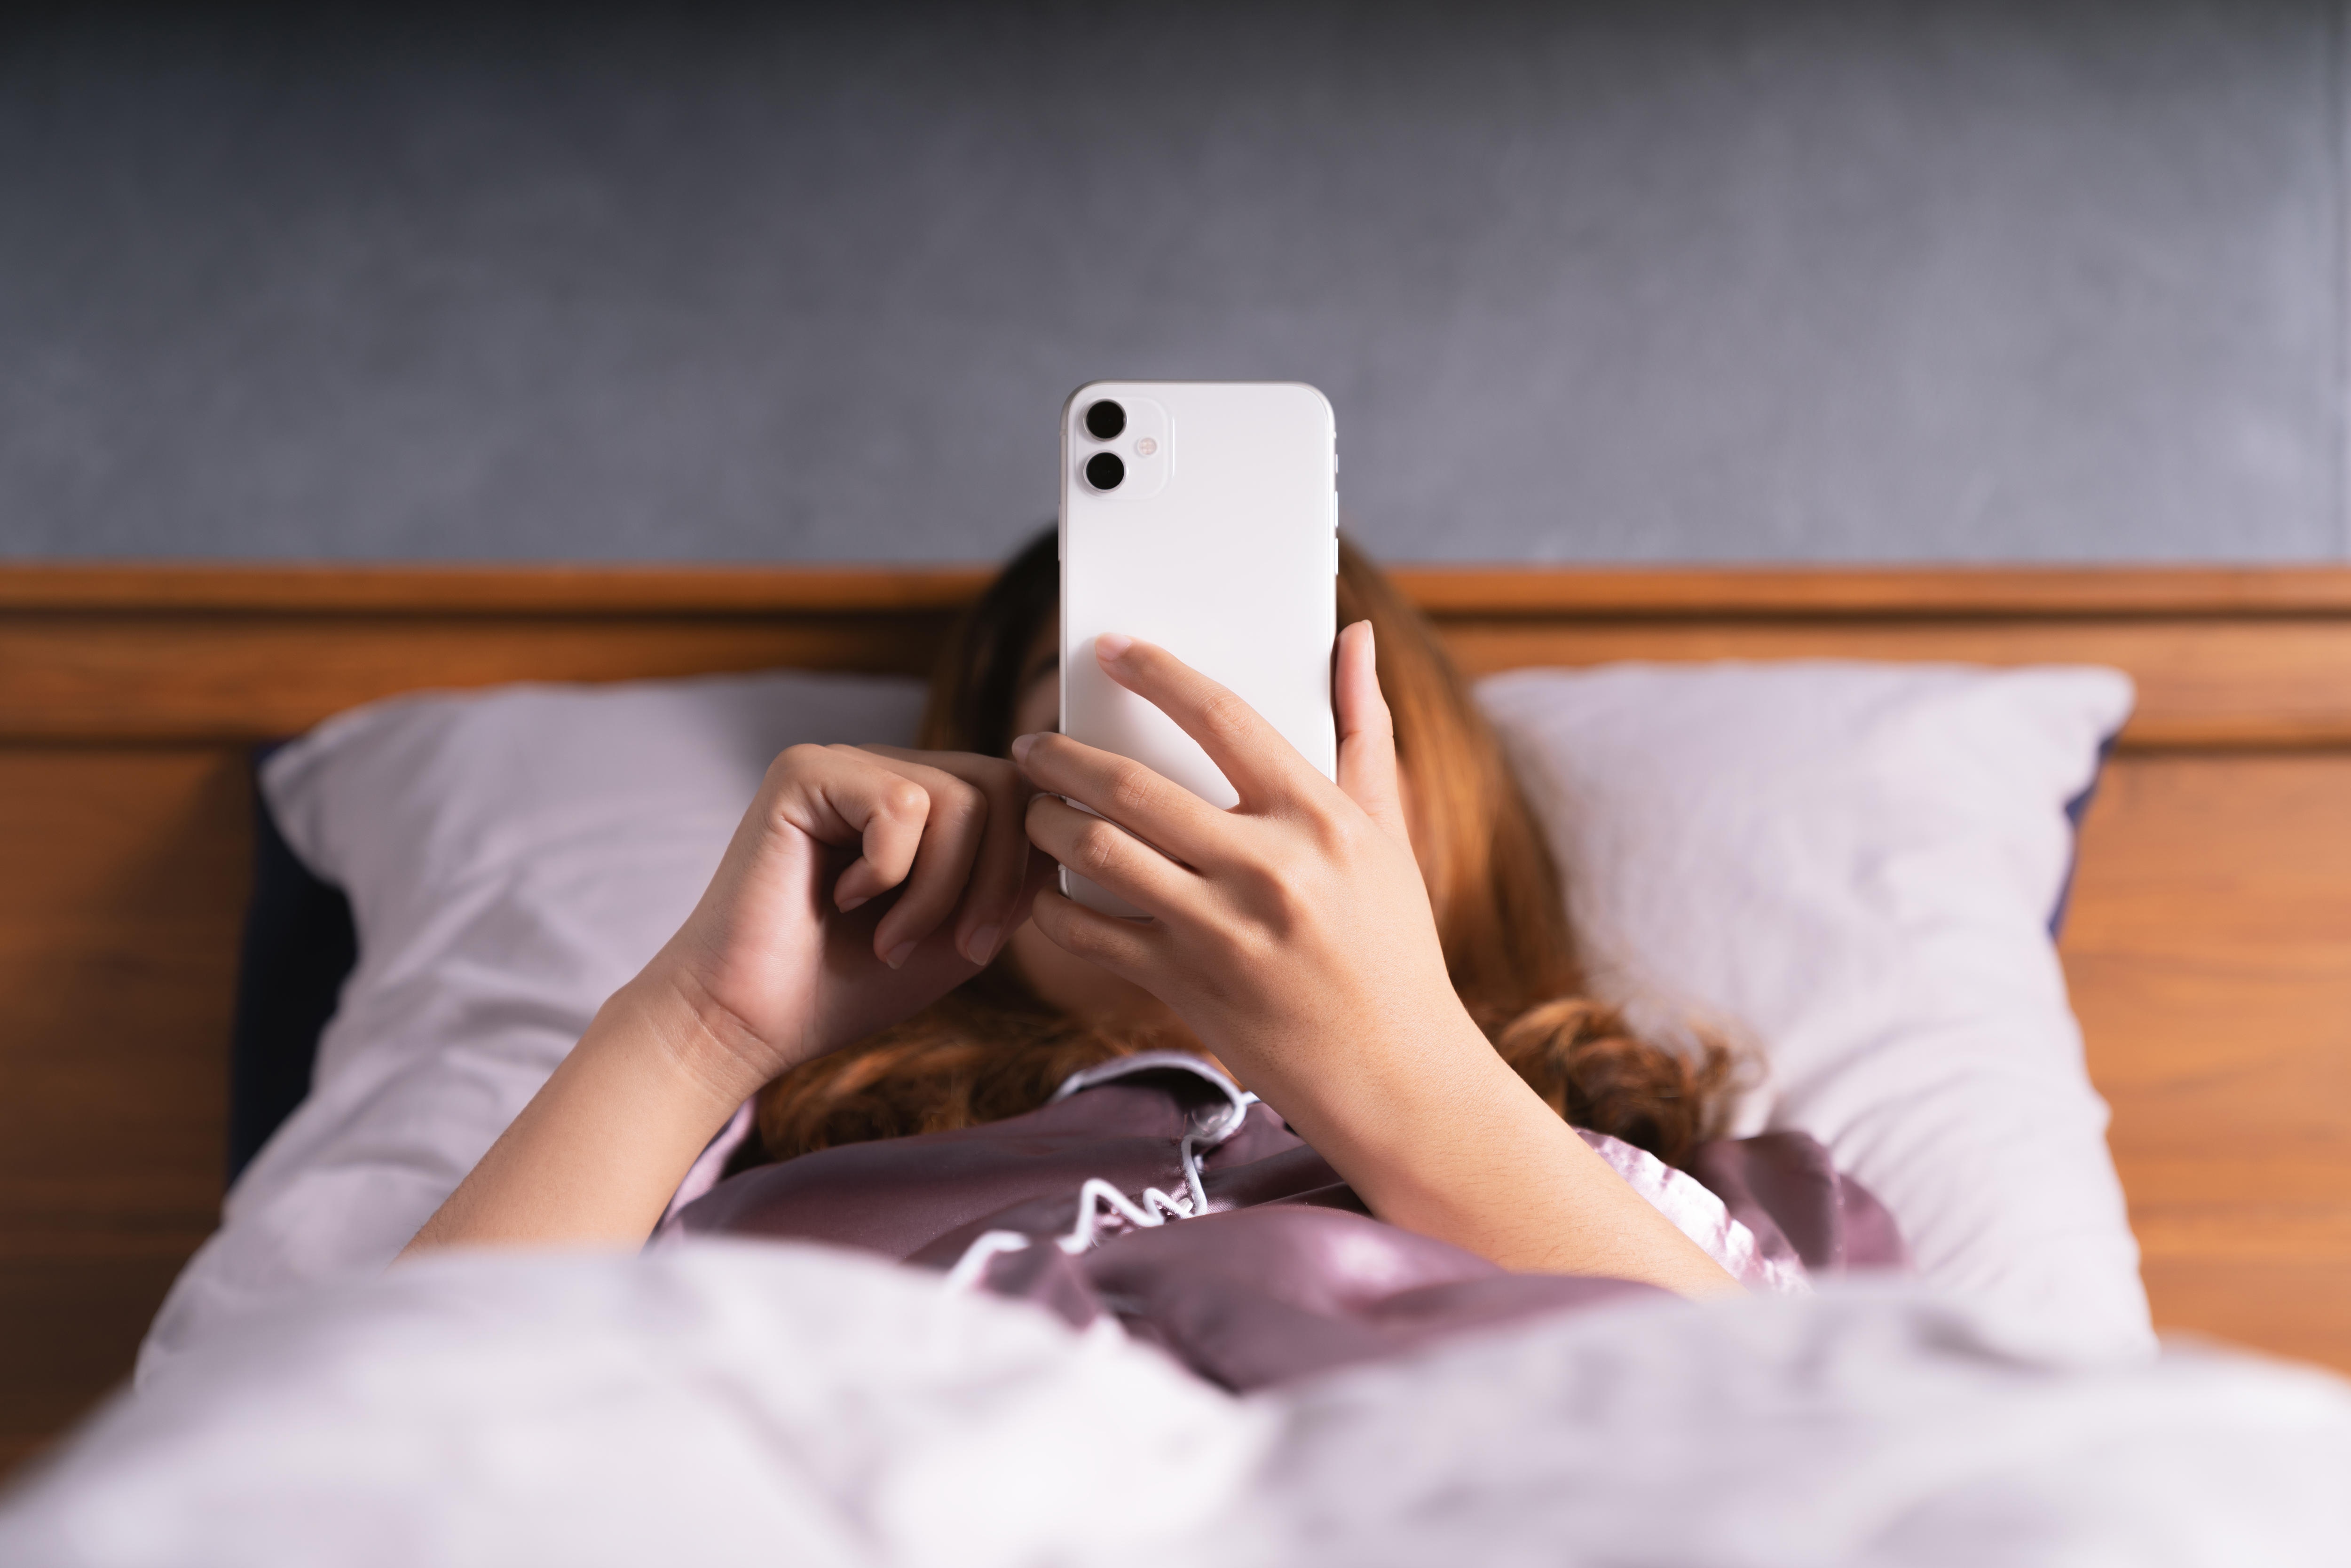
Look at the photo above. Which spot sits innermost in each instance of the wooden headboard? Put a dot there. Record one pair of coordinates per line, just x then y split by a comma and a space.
2208, 946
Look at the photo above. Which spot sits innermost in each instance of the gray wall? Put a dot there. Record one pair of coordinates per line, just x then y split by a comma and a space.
1683, 282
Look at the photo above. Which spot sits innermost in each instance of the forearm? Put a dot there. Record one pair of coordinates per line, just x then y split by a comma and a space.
1454, 1145
595, 1156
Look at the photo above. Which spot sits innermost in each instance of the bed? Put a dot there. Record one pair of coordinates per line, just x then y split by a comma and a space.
2207, 947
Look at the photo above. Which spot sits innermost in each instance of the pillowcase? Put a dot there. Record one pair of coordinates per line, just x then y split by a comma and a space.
1853, 868
1836, 857
512, 857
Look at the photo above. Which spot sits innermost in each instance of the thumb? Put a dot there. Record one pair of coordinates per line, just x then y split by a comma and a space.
1367, 758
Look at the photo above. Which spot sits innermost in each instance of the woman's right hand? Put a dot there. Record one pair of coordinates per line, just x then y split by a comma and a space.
864, 884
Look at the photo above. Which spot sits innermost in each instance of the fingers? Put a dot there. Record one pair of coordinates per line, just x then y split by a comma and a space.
1253, 755
839, 795
1109, 856
953, 825
1367, 756
1124, 947
944, 829
1126, 792
994, 894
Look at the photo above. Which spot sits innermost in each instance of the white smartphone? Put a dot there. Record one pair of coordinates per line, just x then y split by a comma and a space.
1204, 516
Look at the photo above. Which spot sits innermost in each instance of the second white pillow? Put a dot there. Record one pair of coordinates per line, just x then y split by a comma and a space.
1853, 867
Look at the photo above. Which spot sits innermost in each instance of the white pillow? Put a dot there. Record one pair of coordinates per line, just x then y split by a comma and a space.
1854, 867
515, 856
512, 857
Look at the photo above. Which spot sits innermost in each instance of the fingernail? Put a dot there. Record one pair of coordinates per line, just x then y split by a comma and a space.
896, 957
1111, 644
1021, 746
981, 946
846, 904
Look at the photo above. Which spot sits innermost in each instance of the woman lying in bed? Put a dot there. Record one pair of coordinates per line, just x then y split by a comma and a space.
1384, 961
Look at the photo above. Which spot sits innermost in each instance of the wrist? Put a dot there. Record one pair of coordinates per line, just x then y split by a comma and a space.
707, 1049
1402, 1105
1461, 1149
597, 1154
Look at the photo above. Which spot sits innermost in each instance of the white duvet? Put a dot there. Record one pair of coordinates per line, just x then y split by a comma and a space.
759, 1403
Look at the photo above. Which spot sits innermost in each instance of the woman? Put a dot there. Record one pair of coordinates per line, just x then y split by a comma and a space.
1382, 959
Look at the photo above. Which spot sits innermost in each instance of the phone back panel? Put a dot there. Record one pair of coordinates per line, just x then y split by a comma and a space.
1220, 545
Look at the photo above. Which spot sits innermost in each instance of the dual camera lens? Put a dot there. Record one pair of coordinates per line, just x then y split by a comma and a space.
1103, 421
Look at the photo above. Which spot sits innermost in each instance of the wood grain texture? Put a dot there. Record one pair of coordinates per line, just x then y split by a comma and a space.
2209, 954
1541, 592
139, 681
2227, 659
120, 913
2208, 946
147, 589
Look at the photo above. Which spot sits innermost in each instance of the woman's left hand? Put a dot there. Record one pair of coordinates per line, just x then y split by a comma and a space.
1294, 934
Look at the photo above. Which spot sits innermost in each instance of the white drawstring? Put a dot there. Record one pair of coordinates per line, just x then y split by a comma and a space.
1156, 1207
1188, 1150
966, 1274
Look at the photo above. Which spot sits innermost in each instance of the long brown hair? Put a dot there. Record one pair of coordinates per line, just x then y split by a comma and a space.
991, 1050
